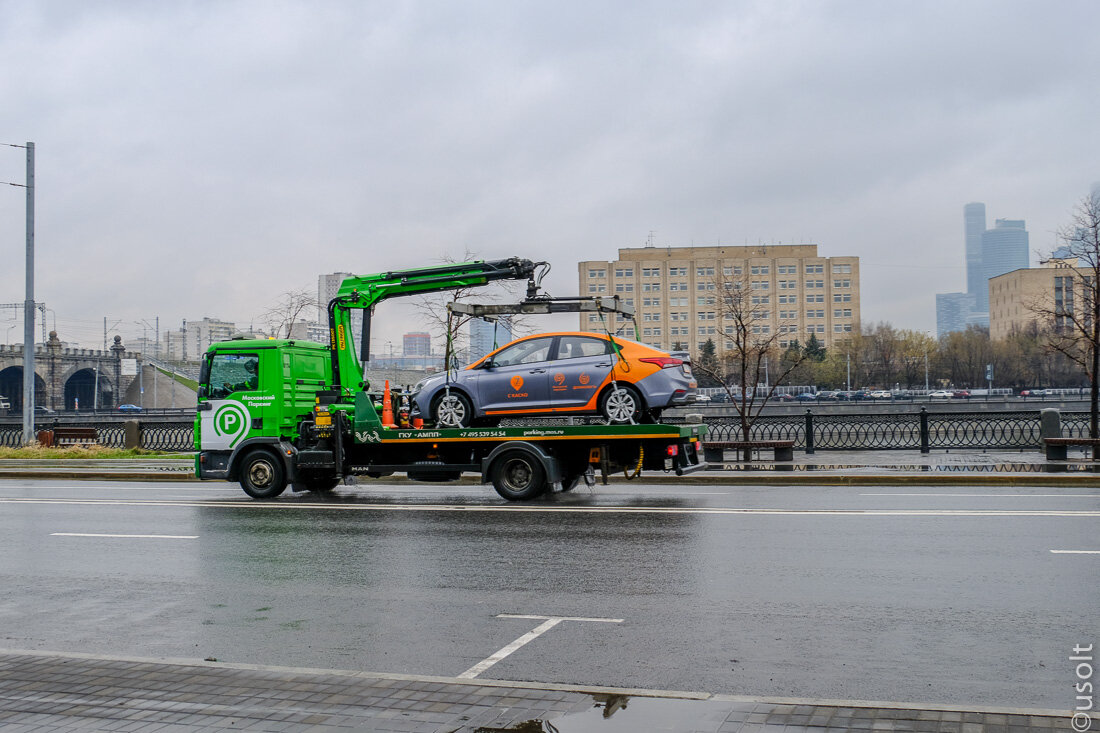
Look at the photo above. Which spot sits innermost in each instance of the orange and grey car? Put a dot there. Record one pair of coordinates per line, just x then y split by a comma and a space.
567, 373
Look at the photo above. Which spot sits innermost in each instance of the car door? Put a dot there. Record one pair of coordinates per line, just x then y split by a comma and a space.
516, 378
581, 366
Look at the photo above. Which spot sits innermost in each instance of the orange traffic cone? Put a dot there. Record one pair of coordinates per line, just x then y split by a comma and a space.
387, 408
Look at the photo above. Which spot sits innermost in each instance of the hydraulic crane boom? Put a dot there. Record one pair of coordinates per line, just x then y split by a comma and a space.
363, 293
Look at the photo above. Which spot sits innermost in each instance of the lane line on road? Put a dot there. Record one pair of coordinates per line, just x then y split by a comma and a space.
548, 623
128, 536
527, 508
1076, 552
1022, 496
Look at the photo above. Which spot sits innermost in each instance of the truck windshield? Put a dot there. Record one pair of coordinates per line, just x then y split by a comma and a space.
229, 373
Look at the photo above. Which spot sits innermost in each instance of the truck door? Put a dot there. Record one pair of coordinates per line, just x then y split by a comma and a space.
517, 378
581, 366
229, 379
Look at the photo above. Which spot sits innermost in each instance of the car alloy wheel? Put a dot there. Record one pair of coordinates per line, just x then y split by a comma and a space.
452, 411
621, 405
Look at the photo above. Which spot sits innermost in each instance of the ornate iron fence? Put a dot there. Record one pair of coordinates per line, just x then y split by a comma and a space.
164, 436
915, 430
871, 431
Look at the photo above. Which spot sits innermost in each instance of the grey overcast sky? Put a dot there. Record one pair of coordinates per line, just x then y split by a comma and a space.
199, 158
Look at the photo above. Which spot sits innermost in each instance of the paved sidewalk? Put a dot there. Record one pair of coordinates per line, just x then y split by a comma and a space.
45, 692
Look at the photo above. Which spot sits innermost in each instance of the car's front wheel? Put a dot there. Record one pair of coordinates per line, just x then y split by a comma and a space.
452, 410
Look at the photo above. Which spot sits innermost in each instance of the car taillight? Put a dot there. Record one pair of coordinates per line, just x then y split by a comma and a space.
672, 450
665, 362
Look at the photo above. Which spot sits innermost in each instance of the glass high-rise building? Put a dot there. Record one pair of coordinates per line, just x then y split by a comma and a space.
974, 221
989, 253
1004, 249
485, 336
953, 312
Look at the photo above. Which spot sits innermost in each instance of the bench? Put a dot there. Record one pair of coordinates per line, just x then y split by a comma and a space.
714, 450
1056, 448
75, 436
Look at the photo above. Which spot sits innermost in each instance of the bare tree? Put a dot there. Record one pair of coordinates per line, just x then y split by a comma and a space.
1074, 318
288, 311
444, 324
750, 340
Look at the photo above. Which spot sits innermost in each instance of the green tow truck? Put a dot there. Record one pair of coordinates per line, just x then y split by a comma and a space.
273, 413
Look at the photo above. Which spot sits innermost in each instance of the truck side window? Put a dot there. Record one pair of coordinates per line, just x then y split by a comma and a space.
231, 373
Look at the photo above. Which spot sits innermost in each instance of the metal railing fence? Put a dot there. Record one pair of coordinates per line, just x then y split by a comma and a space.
917, 430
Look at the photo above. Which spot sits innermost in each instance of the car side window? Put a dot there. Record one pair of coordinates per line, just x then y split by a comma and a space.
525, 352
575, 347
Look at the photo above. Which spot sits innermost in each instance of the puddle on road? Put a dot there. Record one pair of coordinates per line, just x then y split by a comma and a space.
620, 713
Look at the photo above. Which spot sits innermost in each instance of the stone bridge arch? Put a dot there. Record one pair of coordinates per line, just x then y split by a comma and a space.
66, 377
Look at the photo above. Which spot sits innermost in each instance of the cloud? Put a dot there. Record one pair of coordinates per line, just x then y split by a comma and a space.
197, 159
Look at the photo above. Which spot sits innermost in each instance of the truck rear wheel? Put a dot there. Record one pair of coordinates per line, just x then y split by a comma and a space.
262, 475
518, 475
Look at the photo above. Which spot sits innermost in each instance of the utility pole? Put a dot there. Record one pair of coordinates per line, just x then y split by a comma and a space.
28, 309
28, 304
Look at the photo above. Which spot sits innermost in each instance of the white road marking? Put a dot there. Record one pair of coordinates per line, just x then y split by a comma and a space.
562, 618
128, 536
1024, 496
527, 508
1076, 552
548, 623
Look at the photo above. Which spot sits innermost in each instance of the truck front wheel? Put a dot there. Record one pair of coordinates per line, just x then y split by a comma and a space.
518, 475
262, 475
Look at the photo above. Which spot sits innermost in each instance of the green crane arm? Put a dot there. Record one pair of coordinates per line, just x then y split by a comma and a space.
363, 293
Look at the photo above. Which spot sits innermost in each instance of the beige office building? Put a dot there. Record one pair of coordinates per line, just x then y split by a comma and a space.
1015, 296
675, 292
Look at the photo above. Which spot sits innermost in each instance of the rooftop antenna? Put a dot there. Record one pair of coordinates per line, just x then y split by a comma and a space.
649, 239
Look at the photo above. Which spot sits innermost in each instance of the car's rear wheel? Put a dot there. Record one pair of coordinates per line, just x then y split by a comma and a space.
621, 405
452, 410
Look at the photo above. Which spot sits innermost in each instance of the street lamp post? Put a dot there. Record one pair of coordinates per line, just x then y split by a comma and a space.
28, 306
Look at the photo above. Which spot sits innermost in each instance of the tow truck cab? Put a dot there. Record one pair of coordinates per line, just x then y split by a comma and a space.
253, 394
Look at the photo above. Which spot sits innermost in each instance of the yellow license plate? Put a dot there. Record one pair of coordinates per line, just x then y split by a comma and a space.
324, 419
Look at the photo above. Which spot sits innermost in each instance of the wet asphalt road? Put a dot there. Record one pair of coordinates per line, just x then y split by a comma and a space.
895, 593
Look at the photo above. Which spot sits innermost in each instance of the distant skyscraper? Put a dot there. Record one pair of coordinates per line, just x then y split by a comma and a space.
974, 218
953, 312
989, 253
1004, 249
417, 344
483, 339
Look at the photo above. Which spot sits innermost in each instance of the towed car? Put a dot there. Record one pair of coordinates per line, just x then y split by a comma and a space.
568, 373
